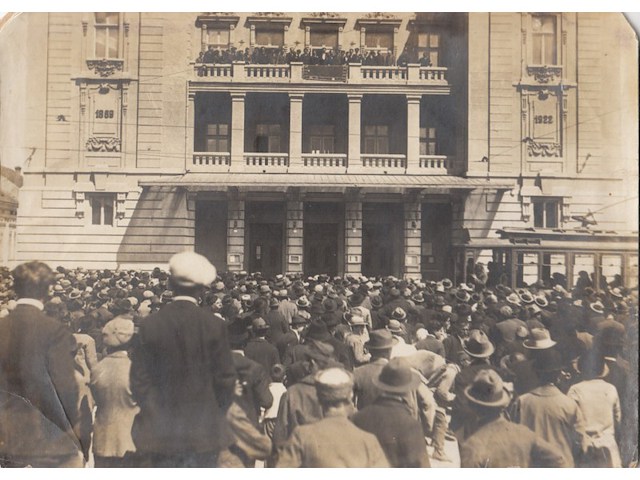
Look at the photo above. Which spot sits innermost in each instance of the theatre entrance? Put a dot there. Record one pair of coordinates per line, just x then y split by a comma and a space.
265, 232
323, 238
211, 231
382, 239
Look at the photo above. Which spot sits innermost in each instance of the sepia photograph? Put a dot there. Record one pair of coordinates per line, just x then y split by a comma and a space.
318, 239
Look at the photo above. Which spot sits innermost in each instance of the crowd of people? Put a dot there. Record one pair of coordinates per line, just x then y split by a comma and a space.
192, 367
311, 56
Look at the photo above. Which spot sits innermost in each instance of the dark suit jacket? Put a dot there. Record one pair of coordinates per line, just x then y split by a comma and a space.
39, 399
431, 344
255, 387
182, 376
399, 434
261, 351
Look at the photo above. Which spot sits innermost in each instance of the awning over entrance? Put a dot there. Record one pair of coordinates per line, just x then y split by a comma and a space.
328, 180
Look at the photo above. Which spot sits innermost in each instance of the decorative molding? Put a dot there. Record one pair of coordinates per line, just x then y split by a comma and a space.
103, 144
269, 14
126, 29
380, 16
324, 15
85, 24
120, 207
544, 73
543, 149
79, 204
105, 67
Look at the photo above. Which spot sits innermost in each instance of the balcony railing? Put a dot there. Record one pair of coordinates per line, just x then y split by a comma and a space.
439, 164
383, 161
266, 160
324, 160
210, 161
353, 73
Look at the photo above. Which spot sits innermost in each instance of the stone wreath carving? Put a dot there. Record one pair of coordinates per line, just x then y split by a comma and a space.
105, 67
544, 73
543, 149
103, 144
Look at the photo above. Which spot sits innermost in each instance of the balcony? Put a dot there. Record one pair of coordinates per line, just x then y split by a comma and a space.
434, 164
266, 162
296, 72
210, 162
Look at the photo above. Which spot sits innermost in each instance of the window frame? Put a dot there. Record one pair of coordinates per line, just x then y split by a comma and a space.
545, 201
428, 48
322, 137
103, 199
427, 140
376, 137
106, 27
533, 37
380, 29
217, 137
271, 137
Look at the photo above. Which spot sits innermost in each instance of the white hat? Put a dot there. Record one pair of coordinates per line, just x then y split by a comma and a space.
118, 332
189, 269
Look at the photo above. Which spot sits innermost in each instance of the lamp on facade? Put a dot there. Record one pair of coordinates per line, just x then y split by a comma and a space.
353, 226
295, 227
235, 226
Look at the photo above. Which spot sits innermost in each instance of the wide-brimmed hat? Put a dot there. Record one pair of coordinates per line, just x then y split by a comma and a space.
439, 300
616, 292
487, 390
282, 293
318, 331
273, 302
526, 297
356, 320
302, 302
394, 326
381, 339
597, 307
593, 365
418, 297
506, 311
376, 301
399, 314
478, 344
541, 301
298, 320
258, 324
539, 339
396, 377
548, 360
463, 296
446, 283
513, 299
356, 300
508, 361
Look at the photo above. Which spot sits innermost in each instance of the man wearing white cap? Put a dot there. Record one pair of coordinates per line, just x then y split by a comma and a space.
182, 375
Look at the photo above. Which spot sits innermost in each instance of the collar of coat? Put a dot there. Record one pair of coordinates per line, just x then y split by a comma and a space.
31, 302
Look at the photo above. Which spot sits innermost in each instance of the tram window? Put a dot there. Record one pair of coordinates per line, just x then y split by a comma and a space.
526, 269
610, 265
582, 262
554, 268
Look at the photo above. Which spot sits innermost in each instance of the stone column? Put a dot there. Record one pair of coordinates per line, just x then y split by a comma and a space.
235, 235
294, 247
237, 131
412, 239
353, 237
295, 131
413, 133
190, 120
355, 104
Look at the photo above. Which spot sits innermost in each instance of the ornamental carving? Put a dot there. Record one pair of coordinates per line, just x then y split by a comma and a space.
544, 73
543, 149
324, 15
103, 144
380, 16
269, 14
105, 67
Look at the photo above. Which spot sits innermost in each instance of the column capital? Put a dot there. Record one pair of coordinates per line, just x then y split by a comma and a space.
238, 95
352, 97
298, 97
413, 98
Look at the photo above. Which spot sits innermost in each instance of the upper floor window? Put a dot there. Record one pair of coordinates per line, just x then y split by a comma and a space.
267, 137
429, 48
323, 37
218, 37
428, 141
107, 28
217, 137
269, 36
102, 208
380, 39
376, 139
546, 213
322, 138
544, 40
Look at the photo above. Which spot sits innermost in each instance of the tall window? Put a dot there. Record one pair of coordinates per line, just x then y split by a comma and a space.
269, 36
107, 27
428, 142
429, 43
544, 39
322, 138
376, 139
546, 213
267, 138
323, 37
217, 137
379, 39
101, 208
218, 37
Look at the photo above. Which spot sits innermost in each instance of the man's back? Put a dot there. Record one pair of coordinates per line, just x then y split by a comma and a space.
39, 400
182, 376
261, 351
366, 391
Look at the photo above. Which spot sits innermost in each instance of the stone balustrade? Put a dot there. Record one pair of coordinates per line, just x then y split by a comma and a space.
210, 161
266, 160
379, 161
434, 164
324, 160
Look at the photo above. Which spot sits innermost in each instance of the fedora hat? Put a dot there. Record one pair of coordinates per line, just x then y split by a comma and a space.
396, 377
541, 301
381, 339
439, 300
487, 390
616, 292
273, 302
356, 320
526, 297
376, 301
298, 320
478, 344
597, 307
356, 300
259, 325
513, 299
508, 361
302, 302
394, 326
399, 314
548, 360
463, 296
418, 297
446, 283
539, 339
318, 331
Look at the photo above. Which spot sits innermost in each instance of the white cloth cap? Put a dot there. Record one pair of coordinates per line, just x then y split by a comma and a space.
189, 269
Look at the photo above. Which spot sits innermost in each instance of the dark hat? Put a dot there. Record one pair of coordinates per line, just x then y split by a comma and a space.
508, 361
259, 325
318, 331
329, 305
381, 339
298, 320
237, 332
418, 297
394, 292
539, 339
330, 319
548, 360
439, 301
487, 390
302, 302
396, 377
376, 301
463, 296
399, 314
592, 365
356, 299
273, 302
478, 344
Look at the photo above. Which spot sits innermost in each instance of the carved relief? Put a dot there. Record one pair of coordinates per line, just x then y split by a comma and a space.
543, 149
544, 73
324, 15
380, 16
103, 144
105, 67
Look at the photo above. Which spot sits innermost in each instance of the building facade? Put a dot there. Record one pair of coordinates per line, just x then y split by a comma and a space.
244, 137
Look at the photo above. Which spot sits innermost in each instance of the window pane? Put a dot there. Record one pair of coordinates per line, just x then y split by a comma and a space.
434, 40
549, 50
270, 37
223, 129
113, 42
582, 262
369, 130
611, 266
223, 145
383, 130
379, 39
538, 215
433, 57
324, 38
274, 144
328, 146
551, 210
316, 144
423, 147
383, 145
423, 39
431, 150
536, 51
96, 211
527, 269
101, 42
108, 212
101, 17
370, 145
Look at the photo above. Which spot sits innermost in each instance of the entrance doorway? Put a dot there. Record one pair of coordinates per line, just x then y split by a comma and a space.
436, 241
265, 232
323, 227
211, 232
382, 239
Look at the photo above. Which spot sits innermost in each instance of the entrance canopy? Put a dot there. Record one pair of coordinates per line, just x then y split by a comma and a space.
326, 181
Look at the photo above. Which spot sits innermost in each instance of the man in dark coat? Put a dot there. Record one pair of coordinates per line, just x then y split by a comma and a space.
182, 375
39, 399
379, 345
390, 420
259, 349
